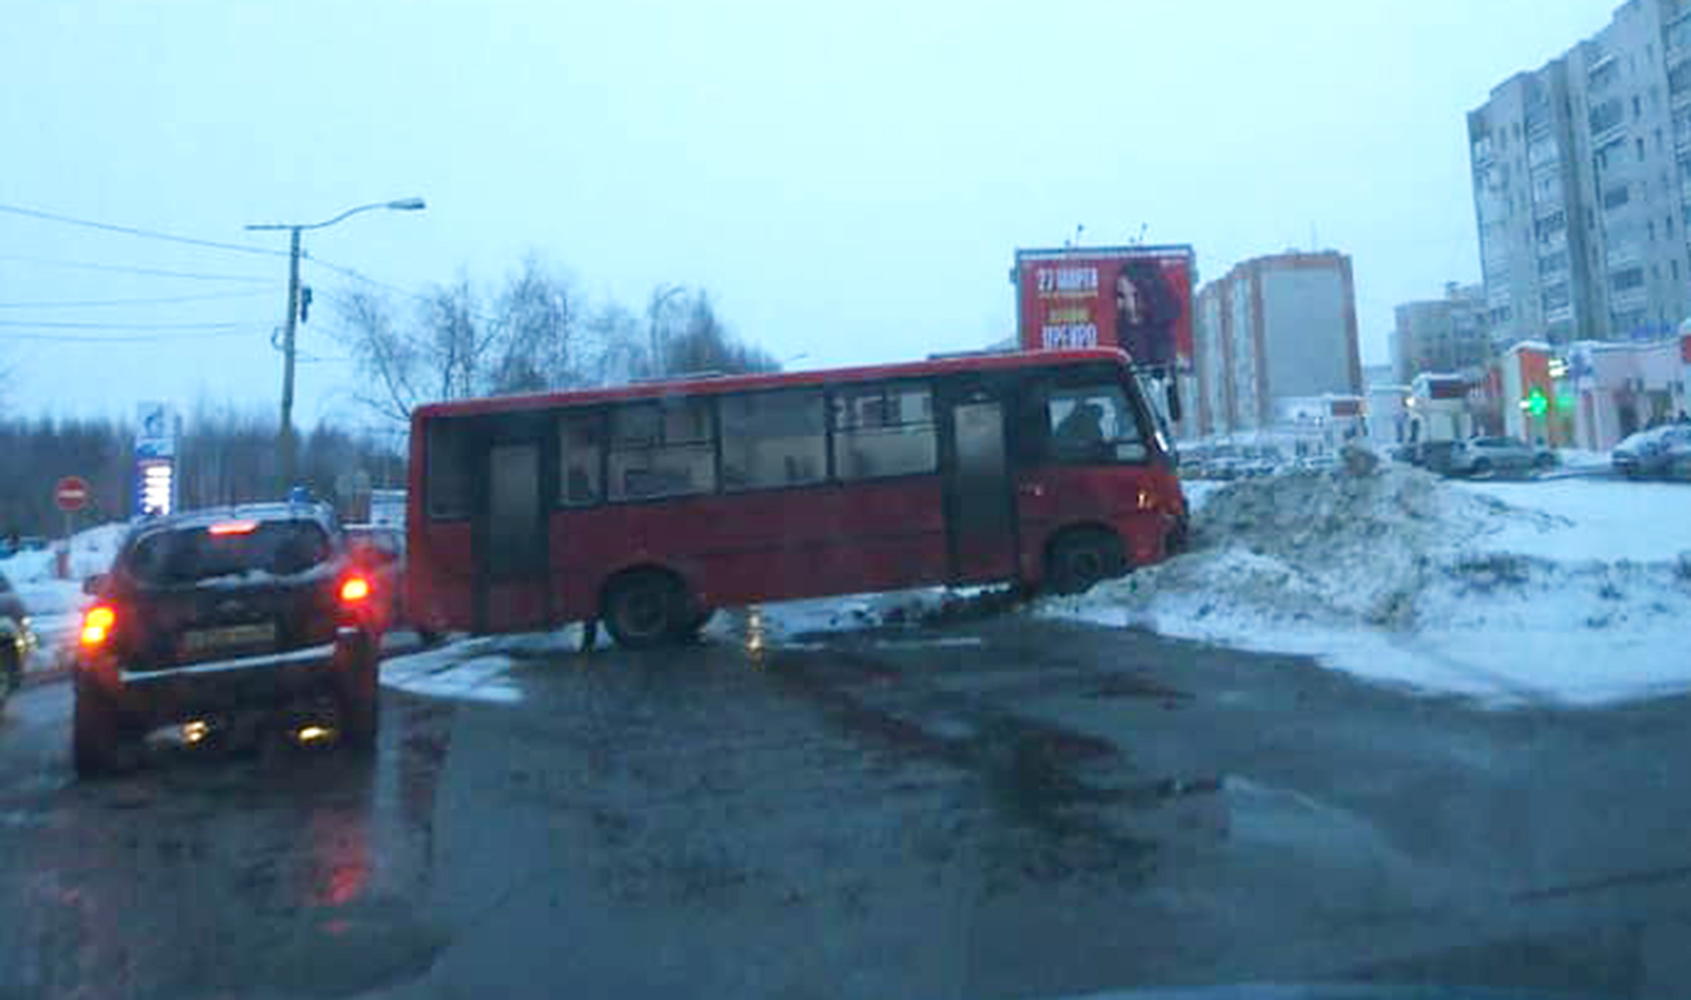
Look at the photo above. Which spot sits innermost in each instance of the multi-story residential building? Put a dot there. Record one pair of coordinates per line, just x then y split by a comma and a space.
1441, 335
1581, 177
1274, 328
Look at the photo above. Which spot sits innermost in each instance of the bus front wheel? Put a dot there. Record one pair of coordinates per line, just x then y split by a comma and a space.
1079, 559
644, 609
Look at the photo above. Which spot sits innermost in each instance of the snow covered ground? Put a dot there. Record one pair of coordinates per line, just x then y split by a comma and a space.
55, 605
1560, 591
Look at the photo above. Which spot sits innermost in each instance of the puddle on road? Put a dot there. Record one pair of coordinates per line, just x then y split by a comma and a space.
296, 871
1070, 792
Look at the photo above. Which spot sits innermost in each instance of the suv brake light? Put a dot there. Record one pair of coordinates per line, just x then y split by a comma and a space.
233, 528
97, 625
354, 590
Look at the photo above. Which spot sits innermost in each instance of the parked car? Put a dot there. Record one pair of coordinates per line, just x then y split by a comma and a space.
1658, 453
213, 623
379, 550
1484, 456
17, 639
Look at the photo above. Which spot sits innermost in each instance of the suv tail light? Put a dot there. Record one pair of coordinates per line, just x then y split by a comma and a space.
97, 625
355, 590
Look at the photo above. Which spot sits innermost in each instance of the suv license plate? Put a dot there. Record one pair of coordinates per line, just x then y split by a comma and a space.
211, 640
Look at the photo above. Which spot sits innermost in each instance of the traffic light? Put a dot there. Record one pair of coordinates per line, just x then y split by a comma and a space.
1537, 404
304, 303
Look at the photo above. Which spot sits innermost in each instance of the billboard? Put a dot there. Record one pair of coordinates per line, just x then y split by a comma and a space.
1136, 298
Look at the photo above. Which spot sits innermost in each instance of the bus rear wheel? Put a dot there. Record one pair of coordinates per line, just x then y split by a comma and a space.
645, 609
1080, 559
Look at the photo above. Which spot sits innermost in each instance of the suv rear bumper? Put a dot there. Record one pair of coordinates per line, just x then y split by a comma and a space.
273, 681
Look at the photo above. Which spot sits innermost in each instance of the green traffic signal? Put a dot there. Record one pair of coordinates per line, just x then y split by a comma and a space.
1537, 403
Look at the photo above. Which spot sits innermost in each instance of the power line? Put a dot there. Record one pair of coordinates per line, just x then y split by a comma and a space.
73, 338
128, 269
360, 276
159, 301
395, 289
70, 325
150, 234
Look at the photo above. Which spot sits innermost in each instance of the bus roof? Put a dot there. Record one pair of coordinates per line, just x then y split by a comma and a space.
712, 386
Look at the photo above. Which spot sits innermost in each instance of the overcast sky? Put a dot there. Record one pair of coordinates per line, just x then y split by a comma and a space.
850, 181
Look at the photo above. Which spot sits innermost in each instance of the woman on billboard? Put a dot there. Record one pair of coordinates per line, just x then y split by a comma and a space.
1146, 311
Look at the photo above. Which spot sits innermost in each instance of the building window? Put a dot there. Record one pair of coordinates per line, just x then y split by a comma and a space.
1616, 196
1637, 107
1621, 281
1673, 265
1606, 116
1640, 146
1669, 223
1651, 229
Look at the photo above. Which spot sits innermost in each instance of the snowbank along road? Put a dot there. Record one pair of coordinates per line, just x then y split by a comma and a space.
1567, 591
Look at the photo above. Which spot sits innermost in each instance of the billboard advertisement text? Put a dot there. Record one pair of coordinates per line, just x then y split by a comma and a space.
1136, 298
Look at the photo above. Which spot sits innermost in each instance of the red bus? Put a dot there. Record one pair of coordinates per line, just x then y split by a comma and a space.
648, 506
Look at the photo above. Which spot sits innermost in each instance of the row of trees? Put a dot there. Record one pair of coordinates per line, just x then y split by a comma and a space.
223, 457
533, 333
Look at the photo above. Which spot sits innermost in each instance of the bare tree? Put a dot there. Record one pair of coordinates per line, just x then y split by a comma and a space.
539, 347
534, 334
705, 344
617, 354
390, 360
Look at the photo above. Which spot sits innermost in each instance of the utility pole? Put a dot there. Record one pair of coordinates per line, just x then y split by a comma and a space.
285, 438
285, 448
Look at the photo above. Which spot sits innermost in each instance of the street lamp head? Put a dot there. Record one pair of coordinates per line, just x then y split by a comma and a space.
407, 205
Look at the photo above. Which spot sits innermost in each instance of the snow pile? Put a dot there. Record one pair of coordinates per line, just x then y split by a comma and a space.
55, 604
1523, 591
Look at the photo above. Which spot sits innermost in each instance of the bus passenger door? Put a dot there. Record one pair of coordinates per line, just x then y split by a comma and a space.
979, 495
512, 572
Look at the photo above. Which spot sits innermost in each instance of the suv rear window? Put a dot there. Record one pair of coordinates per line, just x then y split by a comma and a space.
174, 557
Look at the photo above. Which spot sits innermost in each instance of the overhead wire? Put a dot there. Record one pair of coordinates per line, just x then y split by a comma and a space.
75, 338
144, 301
150, 234
131, 269
79, 325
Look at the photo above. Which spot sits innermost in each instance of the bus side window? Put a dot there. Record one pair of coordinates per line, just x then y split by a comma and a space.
1093, 423
772, 439
884, 430
581, 451
660, 449
450, 470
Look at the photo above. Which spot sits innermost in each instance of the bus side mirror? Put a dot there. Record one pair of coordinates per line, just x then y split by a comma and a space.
1173, 402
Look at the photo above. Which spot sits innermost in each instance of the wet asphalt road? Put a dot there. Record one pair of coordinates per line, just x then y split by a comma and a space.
1003, 808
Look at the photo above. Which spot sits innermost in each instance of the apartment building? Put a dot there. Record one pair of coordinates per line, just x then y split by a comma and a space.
1274, 328
1581, 175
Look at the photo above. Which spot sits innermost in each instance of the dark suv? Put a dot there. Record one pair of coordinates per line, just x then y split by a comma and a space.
210, 621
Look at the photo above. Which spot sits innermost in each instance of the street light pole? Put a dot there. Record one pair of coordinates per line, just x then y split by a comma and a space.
285, 433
